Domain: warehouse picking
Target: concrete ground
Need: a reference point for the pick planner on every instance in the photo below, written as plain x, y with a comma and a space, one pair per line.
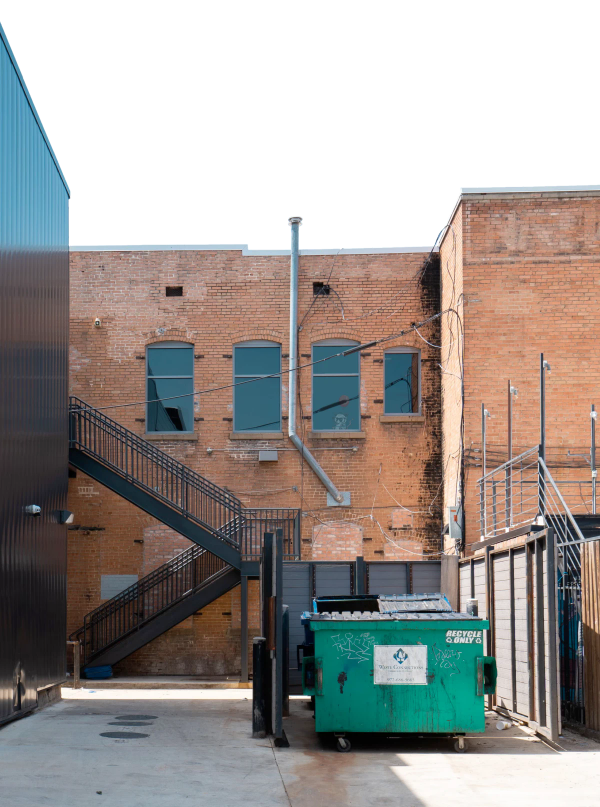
167, 748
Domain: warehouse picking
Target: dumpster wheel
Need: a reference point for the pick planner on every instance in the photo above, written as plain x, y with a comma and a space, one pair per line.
460, 745
344, 745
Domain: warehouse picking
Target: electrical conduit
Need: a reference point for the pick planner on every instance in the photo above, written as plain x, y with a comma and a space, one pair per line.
331, 488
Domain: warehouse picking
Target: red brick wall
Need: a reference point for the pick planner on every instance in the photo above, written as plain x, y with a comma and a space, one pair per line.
452, 343
227, 298
530, 272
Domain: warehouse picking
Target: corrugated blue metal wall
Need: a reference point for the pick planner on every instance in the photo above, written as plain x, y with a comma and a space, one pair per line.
34, 300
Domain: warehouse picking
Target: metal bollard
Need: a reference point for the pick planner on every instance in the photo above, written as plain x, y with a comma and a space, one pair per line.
259, 680
76, 665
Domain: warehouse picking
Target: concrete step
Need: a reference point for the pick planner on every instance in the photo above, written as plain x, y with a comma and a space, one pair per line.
164, 682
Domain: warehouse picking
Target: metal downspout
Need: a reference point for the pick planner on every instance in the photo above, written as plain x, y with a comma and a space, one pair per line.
331, 488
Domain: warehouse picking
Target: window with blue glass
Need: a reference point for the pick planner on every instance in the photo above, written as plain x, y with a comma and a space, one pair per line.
169, 384
335, 387
402, 394
256, 397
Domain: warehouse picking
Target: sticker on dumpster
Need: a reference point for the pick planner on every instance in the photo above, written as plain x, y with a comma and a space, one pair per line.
404, 664
464, 637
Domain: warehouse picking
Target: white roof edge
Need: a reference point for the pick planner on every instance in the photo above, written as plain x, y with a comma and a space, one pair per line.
534, 189
531, 189
243, 248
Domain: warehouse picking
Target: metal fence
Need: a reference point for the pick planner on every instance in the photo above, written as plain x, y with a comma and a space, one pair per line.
517, 594
255, 522
524, 493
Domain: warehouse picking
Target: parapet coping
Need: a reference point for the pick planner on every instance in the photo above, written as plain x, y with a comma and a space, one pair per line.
243, 248
511, 191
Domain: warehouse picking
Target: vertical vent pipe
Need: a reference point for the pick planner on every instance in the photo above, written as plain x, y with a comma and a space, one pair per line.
295, 222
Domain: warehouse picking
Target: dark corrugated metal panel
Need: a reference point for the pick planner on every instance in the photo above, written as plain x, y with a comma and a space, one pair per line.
332, 579
34, 277
388, 577
297, 596
426, 576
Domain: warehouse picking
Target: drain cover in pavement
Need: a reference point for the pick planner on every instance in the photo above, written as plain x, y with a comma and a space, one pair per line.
130, 723
123, 735
136, 717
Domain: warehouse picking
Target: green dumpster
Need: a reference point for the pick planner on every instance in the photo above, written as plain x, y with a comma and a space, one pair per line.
397, 664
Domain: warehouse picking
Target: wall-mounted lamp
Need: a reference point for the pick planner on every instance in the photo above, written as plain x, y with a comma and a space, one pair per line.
97, 322
546, 366
486, 413
33, 510
514, 391
65, 517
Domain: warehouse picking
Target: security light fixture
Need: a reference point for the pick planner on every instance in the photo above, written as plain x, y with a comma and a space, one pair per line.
514, 391
547, 366
33, 510
97, 323
65, 517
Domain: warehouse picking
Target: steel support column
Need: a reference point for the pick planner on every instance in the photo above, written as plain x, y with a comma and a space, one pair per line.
244, 626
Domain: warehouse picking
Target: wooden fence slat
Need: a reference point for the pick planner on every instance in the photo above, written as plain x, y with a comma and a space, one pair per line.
590, 618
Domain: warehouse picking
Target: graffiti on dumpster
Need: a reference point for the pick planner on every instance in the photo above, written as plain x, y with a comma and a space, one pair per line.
354, 647
447, 658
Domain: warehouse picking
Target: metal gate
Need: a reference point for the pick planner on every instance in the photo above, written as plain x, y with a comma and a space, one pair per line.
516, 591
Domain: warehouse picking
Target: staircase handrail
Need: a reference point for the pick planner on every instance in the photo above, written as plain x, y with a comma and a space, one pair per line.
95, 638
185, 481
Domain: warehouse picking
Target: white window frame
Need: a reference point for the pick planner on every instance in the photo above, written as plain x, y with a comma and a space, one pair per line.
258, 343
404, 350
170, 345
341, 343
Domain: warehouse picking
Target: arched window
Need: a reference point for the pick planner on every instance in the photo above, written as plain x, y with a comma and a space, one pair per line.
257, 398
402, 381
170, 374
335, 387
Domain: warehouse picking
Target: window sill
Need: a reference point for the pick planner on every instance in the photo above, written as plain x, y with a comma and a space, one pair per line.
256, 436
166, 437
402, 418
337, 435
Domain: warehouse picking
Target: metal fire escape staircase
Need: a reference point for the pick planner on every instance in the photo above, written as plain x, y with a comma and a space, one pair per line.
228, 537
153, 605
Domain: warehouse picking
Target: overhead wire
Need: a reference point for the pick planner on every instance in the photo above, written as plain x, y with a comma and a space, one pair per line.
346, 352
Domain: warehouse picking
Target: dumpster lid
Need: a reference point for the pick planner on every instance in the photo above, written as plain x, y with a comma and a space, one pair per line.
385, 607
376, 616
413, 603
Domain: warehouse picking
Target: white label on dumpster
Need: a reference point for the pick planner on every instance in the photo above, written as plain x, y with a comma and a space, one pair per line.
400, 664
464, 637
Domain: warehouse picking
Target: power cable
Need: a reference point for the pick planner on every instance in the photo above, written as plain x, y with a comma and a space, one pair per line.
347, 352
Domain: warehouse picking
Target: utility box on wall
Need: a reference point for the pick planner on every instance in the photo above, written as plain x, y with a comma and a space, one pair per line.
455, 528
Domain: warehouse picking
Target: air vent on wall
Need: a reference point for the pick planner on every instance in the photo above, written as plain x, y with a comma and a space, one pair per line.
174, 291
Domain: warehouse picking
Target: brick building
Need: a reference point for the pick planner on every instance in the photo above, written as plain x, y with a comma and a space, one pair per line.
152, 323
521, 269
